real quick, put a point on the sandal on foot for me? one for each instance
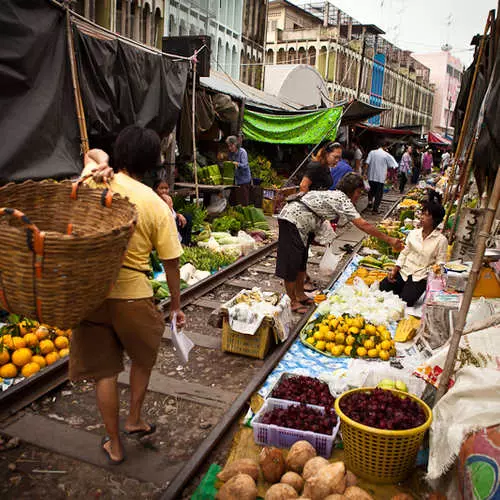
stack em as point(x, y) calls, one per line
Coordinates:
point(142, 432)
point(307, 302)
point(111, 461)
point(309, 287)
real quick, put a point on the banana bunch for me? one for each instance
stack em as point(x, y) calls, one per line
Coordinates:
point(407, 328)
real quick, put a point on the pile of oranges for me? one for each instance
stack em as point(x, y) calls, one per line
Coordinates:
point(349, 336)
point(27, 347)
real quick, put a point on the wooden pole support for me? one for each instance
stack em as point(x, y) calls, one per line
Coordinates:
point(193, 119)
point(469, 289)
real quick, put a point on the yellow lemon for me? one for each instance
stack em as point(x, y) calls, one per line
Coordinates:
point(6, 341)
point(385, 345)
point(46, 346)
point(30, 369)
point(324, 322)
point(348, 350)
point(4, 357)
point(383, 355)
point(23, 327)
point(350, 340)
point(321, 345)
point(362, 331)
point(338, 350)
point(385, 335)
point(328, 346)
point(361, 352)
point(354, 330)
point(339, 338)
point(372, 353)
point(323, 329)
point(381, 328)
point(370, 329)
point(330, 336)
point(39, 360)
point(369, 344)
point(319, 335)
point(22, 356)
point(61, 342)
point(8, 371)
point(310, 340)
point(51, 357)
point(330, 317)
point(31, 340)
point(64, 352)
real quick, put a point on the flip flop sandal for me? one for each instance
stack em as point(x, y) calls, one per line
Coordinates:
point(142, 432)
point(307, 302)
point(111, 461)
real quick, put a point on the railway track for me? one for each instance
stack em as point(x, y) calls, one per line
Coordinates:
point(196, 406)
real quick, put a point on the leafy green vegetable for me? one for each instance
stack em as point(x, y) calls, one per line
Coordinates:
point(261, 168)
point(204, 259)
point(197, 212)
point(226, 223)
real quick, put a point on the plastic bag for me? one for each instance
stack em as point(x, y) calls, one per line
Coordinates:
point(329, 261)
point(182, 343)
point(325, 234)
point(366, 185)
point(218, 204)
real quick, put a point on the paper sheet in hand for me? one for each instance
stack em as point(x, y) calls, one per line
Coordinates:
point(182, 343)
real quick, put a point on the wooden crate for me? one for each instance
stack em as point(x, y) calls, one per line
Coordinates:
point(255, 346)
point(274, 199)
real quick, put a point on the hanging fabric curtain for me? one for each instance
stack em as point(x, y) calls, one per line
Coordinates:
point(304, 128)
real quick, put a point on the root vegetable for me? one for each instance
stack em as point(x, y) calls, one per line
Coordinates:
point(312, 467)
point(239, 487)
point(240, 466)
point(280, 492)
point(272, 463)
point(330, 479)
point(357, 493)
point(299, 454)
point(350, 479)
point(294, 480)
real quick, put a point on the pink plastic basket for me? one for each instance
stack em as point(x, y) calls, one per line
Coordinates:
point(283, 437)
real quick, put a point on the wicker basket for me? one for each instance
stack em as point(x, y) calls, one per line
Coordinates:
point(255, 346)
point(379, 455)
point(62, 246)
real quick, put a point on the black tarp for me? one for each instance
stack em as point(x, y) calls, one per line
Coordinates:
point(39, 135)
point(122, 84)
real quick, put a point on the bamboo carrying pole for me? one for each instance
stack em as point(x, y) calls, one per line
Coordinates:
point(193, 118)
point(484, 234)
point(80, 113)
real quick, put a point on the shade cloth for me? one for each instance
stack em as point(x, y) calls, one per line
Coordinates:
point(304, 128)
point(435, 138)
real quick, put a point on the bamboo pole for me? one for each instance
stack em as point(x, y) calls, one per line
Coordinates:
point(468, 107)
point(193, 119)
point(484, 234)
point(80, 113)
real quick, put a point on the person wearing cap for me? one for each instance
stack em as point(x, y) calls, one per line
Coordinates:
point(242, 174)
point(317, 176)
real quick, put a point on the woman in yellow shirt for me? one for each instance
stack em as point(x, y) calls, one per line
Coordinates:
point(424, 247)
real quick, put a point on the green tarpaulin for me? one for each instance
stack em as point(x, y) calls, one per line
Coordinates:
point(304, 128)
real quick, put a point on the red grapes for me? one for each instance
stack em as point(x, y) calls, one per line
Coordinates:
point(304, 390)
point(383, 409)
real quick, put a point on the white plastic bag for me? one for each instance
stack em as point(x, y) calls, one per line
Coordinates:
point(182, 343)
point(329, 261)
point(325, 234)
point(366, 185)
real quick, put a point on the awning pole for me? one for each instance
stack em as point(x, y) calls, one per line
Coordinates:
point(484, 234)
point(193, 119)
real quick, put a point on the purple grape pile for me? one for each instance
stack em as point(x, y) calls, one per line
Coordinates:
point(383, 409)
point(302, 418)
point(304, 390)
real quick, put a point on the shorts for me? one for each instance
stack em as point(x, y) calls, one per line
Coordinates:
point(292, 253)
point(97, 344)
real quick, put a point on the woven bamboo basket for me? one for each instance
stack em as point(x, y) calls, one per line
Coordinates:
point(61, 248)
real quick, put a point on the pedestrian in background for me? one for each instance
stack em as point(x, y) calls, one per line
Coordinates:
point(445, 161)
point(376, 166)
point(427, 162)
point(242, 174)
point(342, 168)
point(405, 166)
point(417, 164)
point(318, 176)
point(356, 162)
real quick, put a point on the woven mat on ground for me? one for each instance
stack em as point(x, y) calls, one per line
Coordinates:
point(473, 403)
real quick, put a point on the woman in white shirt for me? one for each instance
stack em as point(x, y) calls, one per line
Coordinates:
point(424, 247)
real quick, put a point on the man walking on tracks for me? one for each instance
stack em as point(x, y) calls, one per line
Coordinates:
point(128, 319)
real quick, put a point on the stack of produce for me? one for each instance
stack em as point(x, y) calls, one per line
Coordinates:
point(349, 336)
point(367, 276)
point(303, 390)
point(301, 472)
point(27, 346)
point(228, 168)
point(210, 175)
point(261, 169)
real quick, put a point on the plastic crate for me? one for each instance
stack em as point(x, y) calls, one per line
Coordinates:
point(255, 346)
point(283, 437)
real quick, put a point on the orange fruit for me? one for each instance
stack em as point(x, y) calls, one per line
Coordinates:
point(61, 342)
point(63, 352)
point(4, 357)
point(51, 357)
point(46, 346)
point(23, 329)
point(6, 341)
point(69, 333)
point(39, 360)
point(18, 342)
point(22, 356)
point(8, 371)
point(31, 340)
point(30, 369)
point(42, 332)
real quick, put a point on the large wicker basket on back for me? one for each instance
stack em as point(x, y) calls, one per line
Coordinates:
point(61, 247)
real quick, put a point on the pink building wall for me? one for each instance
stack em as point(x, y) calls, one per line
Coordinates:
point(447, 86)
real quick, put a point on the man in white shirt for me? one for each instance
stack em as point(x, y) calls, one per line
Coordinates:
point(376, 165)
point(445, 161)
point(424, 248)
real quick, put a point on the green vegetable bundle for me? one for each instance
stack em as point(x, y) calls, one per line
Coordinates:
point(261, 168)
point(197, 212)
point(228, 169)
point(205, 260)
point(226, 223)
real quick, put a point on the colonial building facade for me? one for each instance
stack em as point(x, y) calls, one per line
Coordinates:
point(354, 60)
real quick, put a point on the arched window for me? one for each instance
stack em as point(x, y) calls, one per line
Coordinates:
point(281, 56)
point(134, 20)
point(192, 30)
point(302, 57)
point(157, 29)
point(146, 24)
point(220, 56)
point(311, 53)
point(243, 67)
point(291, 56)
point(182, 28)
point(172, 27)
point(234, 63)
point(227, 59)
point(270, 56)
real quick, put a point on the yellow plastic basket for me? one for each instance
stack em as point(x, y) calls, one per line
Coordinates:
point(379, 455)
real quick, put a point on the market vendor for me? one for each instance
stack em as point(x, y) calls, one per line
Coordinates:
point(424, 248)
point(128, 320)
point(301, 218)
point(242, 174)
point(318, 176)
